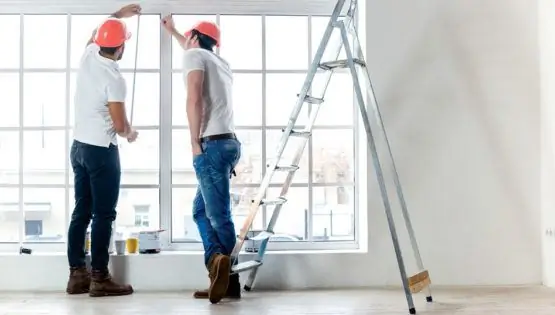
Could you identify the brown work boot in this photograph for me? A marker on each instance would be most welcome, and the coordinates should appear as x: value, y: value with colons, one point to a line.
x: 103, y: 285
x: 233, y: 289
x: 219, y: 268
x: 79, y: 281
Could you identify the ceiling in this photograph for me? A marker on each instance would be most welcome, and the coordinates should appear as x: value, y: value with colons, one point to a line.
x: 293, y: 7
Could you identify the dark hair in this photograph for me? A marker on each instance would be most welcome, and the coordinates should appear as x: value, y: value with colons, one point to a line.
x: 205, y: 42
x: 109, y: 50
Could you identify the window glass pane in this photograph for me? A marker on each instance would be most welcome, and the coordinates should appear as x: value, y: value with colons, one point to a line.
x: 247, y: 99
x: 248, y: 169
x: 183, y: 23
x: 129, y: 199
x: 9, y: 111
x: 337, y: 108
x: 318, y: 27
x: 184, y: 228
x: 44, y: 214
x: 40, y: 50
x: 179, y: 101
x: 286, y: 42
x: 273, y: 138
x: 292, y: 223
x: 44, y: 99
x: 149, y: 43
x: 140, y: 159
x: 333, y: 217
x: 333, y: 156
x: 241, y: 201
x: 10, y: 37
x: 147, y: 99
x: 82, y: 27
x: 9, y: 158
x: 236, y: 31
x: 281, y: 97
x: 50, y: 147
x: 9, y: 218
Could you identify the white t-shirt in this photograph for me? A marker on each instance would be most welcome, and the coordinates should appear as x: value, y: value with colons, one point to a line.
x: 217, y: 94
x: 99, y: 81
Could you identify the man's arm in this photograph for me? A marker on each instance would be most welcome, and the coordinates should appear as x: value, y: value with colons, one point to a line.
x: 195, y: 81
x: 169, y: 25
x: 117, y: 90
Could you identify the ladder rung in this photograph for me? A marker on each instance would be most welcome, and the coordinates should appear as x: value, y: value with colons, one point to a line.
x: 419, y: 281
x: 244, y: 266
x: 302, y: 134
x: 262, y: 236
x: 288, y: 168
x: 330, y: 65
x: 273, y: 202
x: 312, y: 100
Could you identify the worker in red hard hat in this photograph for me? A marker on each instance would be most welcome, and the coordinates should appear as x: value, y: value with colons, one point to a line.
x: 100, y: 94
x: 216, y: 151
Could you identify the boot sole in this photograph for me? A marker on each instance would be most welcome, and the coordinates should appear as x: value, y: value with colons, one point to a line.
x: 84, y: 291
x: 218, y: 289
x: 104, y: 294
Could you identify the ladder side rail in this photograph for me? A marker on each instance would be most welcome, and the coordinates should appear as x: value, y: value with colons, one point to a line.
x: 378, y: 170
x: 397, y: 181
x: 255, y: 205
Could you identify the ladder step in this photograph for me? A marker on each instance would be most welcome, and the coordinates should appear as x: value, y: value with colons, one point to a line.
x: 312, y: 100
x: 301, y: 134
x: 419, y: 281
x: 273, y: 202
x: 261, y: 236
x: 288, y: 168
x: 244, y: 266
x: 331, y: 65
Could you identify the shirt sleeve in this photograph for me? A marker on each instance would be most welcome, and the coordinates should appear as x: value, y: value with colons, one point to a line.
x: 90, y: 50
x: 117, y: 90
x: 192, y: 60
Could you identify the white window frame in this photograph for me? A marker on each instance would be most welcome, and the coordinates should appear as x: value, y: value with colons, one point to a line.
x: 165, y: 133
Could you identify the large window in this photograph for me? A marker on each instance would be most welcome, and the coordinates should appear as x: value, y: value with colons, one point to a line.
x: 269, y: 65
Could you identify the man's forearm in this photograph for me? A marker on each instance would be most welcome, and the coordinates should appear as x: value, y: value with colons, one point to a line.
x: 179, y: 37
x: 127, y: 130
x: 194, y: 115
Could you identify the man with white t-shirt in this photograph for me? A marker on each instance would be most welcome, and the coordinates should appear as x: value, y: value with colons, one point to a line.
x: 216, y: 151
x: 100, y: 116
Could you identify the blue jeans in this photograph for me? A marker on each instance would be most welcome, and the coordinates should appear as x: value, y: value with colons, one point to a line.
x: 212, y: 204
x: 97, y: 174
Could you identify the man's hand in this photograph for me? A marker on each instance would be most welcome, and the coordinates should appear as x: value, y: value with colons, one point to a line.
x: 132, y: 136
x: 168, y: 23
x: 128, y: 11
x: 197, y: 148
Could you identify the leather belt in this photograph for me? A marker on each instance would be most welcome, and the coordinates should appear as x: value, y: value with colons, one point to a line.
x: 222, y: 136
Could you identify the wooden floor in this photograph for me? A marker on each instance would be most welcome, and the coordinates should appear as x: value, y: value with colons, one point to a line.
x: 494, y: 301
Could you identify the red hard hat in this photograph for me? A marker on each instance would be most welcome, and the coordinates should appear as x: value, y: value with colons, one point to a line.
x: 207, y: 28
x: 111, y: 33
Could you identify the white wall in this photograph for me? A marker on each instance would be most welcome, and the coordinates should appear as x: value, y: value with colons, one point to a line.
x: 459, y: 85
x: 546, y: 29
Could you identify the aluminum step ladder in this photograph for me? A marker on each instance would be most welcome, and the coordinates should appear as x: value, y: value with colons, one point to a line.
x: 356, y: 66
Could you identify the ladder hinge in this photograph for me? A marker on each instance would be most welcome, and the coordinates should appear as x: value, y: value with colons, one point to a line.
x: 331, y: 65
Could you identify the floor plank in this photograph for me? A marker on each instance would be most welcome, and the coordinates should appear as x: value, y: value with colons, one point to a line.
x: 490, y: 301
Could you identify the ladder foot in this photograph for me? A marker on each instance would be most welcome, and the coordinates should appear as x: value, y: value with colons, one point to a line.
x: 429, y: 299
x: 247, y: 288
x: 412, y: 310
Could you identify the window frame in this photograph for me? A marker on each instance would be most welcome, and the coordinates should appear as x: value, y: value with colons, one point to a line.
x: 165, y: 128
